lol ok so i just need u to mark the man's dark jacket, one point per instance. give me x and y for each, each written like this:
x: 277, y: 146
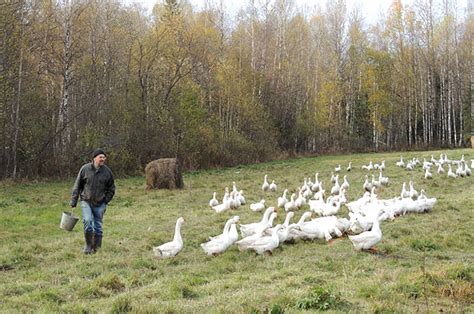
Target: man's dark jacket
x: 94, y: 186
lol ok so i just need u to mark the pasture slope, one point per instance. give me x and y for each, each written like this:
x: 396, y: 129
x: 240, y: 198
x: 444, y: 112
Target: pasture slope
x: 424, y: 261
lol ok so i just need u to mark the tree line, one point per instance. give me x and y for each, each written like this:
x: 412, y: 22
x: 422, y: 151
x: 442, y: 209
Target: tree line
x: 219, y: 90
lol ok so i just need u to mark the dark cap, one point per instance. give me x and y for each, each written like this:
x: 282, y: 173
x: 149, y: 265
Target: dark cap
x: 97, y: 152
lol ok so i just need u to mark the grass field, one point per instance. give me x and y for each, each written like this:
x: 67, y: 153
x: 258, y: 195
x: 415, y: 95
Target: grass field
x: 425, y: 261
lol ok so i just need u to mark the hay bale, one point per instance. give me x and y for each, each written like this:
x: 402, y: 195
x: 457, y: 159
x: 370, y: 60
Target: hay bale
x: 163, y: 173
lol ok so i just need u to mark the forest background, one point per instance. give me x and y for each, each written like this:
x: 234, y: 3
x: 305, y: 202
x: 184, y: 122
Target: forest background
x: 273, y: 81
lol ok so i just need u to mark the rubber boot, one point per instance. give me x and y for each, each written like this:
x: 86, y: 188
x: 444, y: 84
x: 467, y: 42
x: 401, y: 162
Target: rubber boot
x: 97, y: 242
x: 89, y: 236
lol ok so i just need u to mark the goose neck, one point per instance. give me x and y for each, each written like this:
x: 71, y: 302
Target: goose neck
x: 177, y: 232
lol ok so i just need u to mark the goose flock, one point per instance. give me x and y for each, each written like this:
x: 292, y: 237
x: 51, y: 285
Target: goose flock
x: 319, y: 218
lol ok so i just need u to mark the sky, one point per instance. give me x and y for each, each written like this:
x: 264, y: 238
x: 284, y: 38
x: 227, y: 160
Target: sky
x: 371, y: 9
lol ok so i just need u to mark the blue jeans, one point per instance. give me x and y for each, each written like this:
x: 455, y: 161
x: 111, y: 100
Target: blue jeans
x: 92, y: 217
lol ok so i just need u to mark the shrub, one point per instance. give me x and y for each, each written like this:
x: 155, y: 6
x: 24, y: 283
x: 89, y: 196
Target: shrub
x: 276, y: 309
x: 322, y: 299
x: 461, y: 272
x: 424, y: 245
x: 111, y: 282
x: 122, y: 305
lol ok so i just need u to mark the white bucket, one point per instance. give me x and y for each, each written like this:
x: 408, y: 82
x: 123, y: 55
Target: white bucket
x: 68, y: 221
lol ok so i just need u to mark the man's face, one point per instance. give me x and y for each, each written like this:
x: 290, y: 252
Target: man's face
x: 99, y: 160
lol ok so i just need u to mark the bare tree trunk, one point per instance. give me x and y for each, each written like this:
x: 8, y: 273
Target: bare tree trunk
x: 459, y: 91
x: 252, y: 53
x: 17, y: 104
x: 471, y: 10
x: 453, y: 107
x: 63, y: 127
x: 409, y: 125
x: 374, y: 132
x: 444, y: 117
x: 448, y: 108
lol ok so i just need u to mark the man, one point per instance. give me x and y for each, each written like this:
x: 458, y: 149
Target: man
x: 95, y: 186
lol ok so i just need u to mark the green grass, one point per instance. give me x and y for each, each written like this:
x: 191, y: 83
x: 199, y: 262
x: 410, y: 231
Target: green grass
x: 425, y: 261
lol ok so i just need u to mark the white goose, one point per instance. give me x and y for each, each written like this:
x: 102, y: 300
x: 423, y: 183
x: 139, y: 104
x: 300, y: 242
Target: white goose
x: 296, y: 233
x: 258, y: 233
x: 441, y: 159
x: 376, y: 183
x: 249, y: 229
x: 425, y: 205
x: 315, y: 186
x: 265, y: 185
x: 240, y: 197
x: 266, y: 244
x: 172, y: 248
x: 428, y: 174
x: 349, y: 168
x: 360, y: 223
x: 334, y: 204
x: 288, y: 217
x: 291, y: 205
x: 315, y: 229
x: 405, y: 193
x: 284, y: 234
x: 334, y: 225
x: 301, y: 200
x: 440, y: 168
x: 307, y: 193
x: 451, y: 174
x: 467, y: 170
x: 285, y: 224
x: 234, y: 187
x: 226, y: 202
x: 337, y: 169
x: 464, y: 171
x: 329, y: 208
x: 214, y: 202
x: 273, y: 186
x: 400, y: 163
x: 320, y: 194
x: 367, y: 185
x: 366, y: 240
x: 460, y: 170
x: 220, y: 243
x: 234, y: 201
x: 226, y: 194
x: 336, y: 188
x: 422, y: 195
x: 305, y: 185
x: 232, y: 230
x: 341, y: 197
x: 383, y: 180
x: 282, y: 200
x: 316, y: 205
x: 413, y: 192
x: 233, y: 234
x: 345, y: 185
x: 368, y: 167
x: 257, y: 207
x: 426, y: 164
